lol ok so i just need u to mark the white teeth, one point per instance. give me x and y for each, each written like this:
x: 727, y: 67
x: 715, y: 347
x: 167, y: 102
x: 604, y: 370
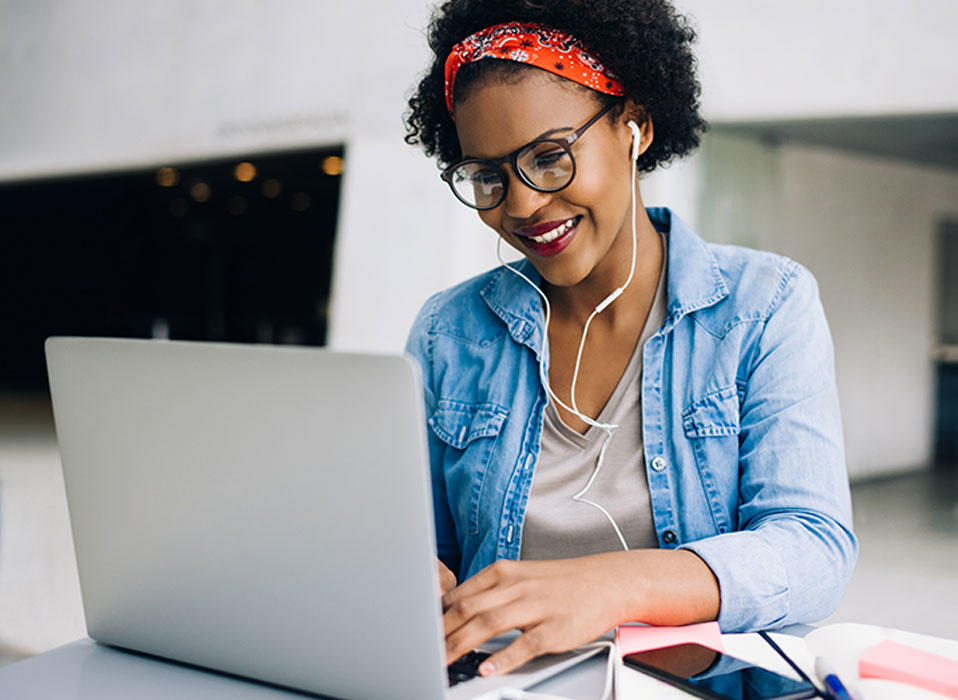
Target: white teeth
x: 554, y: 233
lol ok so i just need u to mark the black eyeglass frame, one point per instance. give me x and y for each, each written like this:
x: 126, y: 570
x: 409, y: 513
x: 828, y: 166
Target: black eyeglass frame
x: 564, y: 143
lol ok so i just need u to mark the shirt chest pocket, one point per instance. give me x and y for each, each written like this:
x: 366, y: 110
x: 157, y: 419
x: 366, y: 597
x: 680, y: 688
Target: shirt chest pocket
x: 711, y: 426
x: 470, y: 432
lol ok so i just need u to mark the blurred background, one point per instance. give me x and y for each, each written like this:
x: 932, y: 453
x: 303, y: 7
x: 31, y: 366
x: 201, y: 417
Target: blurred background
x: 236, y: 171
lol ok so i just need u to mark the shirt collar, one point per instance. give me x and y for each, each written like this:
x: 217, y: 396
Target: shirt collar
x: 694, y: 282
x: 514, y: 301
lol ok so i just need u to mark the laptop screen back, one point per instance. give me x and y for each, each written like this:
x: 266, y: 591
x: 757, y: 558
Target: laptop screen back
x: 259, y: 510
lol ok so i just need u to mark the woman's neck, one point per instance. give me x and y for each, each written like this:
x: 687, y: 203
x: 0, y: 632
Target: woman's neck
x: 576, y: 303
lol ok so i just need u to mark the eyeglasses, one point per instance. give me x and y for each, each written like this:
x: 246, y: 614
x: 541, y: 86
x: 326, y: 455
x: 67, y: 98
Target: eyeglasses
x: 545, y: 165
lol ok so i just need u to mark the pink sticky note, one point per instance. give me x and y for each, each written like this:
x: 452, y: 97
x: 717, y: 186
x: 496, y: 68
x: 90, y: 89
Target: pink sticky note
x: 896, y: 662
x: 633, y: 638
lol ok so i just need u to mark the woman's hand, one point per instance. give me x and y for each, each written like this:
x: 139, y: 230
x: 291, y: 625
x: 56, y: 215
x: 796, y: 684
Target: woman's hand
x: 447, y: 579
x: 560, y: 605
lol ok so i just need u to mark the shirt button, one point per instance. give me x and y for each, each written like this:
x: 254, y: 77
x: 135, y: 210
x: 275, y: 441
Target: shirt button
x: 668, y: 537
x: 658, y: 464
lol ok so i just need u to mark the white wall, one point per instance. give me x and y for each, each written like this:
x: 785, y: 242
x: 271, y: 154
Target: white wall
x: 767, y: 59
x: 401, y: 237
x: 110, y: 84
x: 866, y: 228
x: 106, y: 84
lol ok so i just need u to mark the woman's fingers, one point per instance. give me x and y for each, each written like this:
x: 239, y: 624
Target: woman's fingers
x: 491, y: 603
x: 447, y: 579
x: 496, y: 574
x: 479, y: 605
x: 488, y: 618
x: 526, y: 647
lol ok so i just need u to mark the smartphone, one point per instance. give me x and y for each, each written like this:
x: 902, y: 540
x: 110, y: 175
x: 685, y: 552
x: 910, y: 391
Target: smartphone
x: 706, y: 673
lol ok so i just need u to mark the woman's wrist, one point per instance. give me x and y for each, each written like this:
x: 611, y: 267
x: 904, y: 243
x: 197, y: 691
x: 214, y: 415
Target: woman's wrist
x: 658, y: 587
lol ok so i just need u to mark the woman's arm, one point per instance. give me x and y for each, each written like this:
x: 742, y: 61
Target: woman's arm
x: 794, y: 549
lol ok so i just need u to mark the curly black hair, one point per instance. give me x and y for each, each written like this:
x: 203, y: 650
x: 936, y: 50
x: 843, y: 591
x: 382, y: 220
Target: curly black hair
x: 646, y: 43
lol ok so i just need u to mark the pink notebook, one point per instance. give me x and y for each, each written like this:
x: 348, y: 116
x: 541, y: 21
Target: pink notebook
x: 633, y: 638
x: 896, y: 662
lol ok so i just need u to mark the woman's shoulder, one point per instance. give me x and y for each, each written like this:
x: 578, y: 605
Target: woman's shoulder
x: 759, y: 283
x: 723, y: 284
x: 460, y: 311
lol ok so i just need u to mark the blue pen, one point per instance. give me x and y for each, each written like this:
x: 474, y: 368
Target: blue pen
x: 833, y: 684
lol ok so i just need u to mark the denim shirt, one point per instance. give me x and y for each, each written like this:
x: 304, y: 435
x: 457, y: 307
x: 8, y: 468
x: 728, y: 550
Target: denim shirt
x: 742, y: 432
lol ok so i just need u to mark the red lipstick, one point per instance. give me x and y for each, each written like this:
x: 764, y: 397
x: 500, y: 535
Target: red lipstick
x: 553, y: 236
x: 539, y: 229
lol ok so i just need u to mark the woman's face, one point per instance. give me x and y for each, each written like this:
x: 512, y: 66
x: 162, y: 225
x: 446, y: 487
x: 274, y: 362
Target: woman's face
x: 594, y: 210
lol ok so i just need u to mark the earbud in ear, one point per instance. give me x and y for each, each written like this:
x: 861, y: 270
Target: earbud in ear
x: 636, y: 139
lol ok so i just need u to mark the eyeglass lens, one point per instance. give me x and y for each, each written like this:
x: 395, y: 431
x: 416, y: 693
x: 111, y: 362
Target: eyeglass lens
x: 545, y: 165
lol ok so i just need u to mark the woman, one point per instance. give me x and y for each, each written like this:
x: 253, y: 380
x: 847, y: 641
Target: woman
x: 630, y: 423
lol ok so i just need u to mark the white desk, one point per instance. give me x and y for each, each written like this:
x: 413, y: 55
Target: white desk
x: 85, y: 670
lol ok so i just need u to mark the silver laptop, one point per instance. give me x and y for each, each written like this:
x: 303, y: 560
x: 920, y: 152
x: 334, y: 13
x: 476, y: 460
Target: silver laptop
x: 259, y: 510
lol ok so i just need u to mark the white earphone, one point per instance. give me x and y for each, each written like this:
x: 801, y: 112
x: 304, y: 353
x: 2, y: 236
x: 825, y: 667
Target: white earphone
x: 602, y: 305
x: 636, y: 139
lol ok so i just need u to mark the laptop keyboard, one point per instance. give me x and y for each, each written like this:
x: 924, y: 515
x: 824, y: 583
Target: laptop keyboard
x: 466, y: 667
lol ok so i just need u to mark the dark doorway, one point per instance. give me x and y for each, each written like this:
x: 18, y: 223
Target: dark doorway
x: 237, y: 250
x: 946, y: 413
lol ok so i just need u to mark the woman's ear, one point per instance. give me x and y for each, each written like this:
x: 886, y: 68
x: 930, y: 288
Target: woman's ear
x: 632, y: 111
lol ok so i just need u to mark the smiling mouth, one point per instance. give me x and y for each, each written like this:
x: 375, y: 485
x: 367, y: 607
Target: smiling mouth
x: 549, y: 235
x: 548, y: 238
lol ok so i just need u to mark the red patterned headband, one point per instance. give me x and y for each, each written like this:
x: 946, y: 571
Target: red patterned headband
x: 535, y: 45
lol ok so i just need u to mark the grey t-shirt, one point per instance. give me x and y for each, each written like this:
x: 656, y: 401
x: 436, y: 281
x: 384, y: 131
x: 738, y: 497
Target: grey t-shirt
x: 555, y: 526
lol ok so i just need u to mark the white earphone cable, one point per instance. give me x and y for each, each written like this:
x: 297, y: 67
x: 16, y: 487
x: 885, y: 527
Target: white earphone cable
x: 574, y: 409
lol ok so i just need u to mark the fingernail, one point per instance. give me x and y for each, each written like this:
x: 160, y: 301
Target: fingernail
x: 486, y: 668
